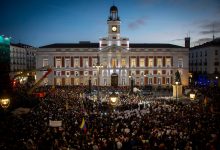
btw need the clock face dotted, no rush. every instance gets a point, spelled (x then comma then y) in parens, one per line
(114, 28)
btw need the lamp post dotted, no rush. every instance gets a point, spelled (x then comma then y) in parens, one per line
(177, 83)
(113, 100)
(98, 66)
(5, 102)
(132, 84)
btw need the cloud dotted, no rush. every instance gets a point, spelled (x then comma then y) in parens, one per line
(201, 41)
(137, 23)
(210, 28)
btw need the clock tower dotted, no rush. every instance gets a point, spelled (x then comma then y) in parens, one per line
(114, 24)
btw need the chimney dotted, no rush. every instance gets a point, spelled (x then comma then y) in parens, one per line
(187, 42)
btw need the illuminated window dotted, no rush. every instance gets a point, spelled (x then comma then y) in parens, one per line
(76, 62)
(114, 62)
(159, 62)
(58, 63)
(123, 62)
(94, 61)
(150, 62)
(142, 62)
(159, 72)
(168, 62)
(133, 62)
(159, 81)
(123, 81)
(67, 62)
(150, 81)
(85, 62)
(180, 63)
(45, 62)
(167, 80)
(58, 73)
(58, 81)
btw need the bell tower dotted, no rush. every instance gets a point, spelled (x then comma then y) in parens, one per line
(114, 24)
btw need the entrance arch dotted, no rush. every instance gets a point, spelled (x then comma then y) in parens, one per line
(114, 79)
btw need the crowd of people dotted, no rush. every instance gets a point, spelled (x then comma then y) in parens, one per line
(138, 122)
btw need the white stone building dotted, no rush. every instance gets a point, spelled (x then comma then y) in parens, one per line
(120, 61)
(22, 58)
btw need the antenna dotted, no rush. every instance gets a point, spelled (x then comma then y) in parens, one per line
(213, 32)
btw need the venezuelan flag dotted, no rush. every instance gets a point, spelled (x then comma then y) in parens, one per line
(83, 125)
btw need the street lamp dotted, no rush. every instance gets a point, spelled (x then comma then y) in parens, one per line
(177, 83)
(132, 84)
(192, 95)
(98, 66)
(5, 102)
(113, 99)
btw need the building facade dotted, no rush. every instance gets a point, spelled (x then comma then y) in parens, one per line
(205, 60)
(113, 61)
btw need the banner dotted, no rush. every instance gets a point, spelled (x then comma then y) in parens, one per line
(55, 123)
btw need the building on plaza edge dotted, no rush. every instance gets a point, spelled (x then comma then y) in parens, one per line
(120, 61)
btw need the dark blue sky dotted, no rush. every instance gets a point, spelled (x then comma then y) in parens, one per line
(41, 22)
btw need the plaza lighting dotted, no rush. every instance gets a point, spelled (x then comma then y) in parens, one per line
(5, 102)
(113, 99)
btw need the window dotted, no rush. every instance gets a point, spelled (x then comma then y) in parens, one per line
(67, 73)
(133, 62)
(180, 63)
(114, 63)
(76, 73)
(58, 73)
(86, 73)
(150, 81)
(85, 63)
(94, 61)
(159, 81)
(216, 52)
(142, 62)
(142, 73)
(151, 72)
(123, 62)
(94, 73)
(168, 62)
(76, 62)
(205, 53)
(159, 62)
(67, 63)
(58, 63)
(133, 73)
(45, 62)
(150, 62)
(123, 81)
(167, 80)
(105, 82)
(158, 72)
(142, 81)
(201, 54)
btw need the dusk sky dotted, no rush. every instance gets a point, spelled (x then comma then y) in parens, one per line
(42, 22)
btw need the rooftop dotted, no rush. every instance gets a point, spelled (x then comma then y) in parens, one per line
(96, 45)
